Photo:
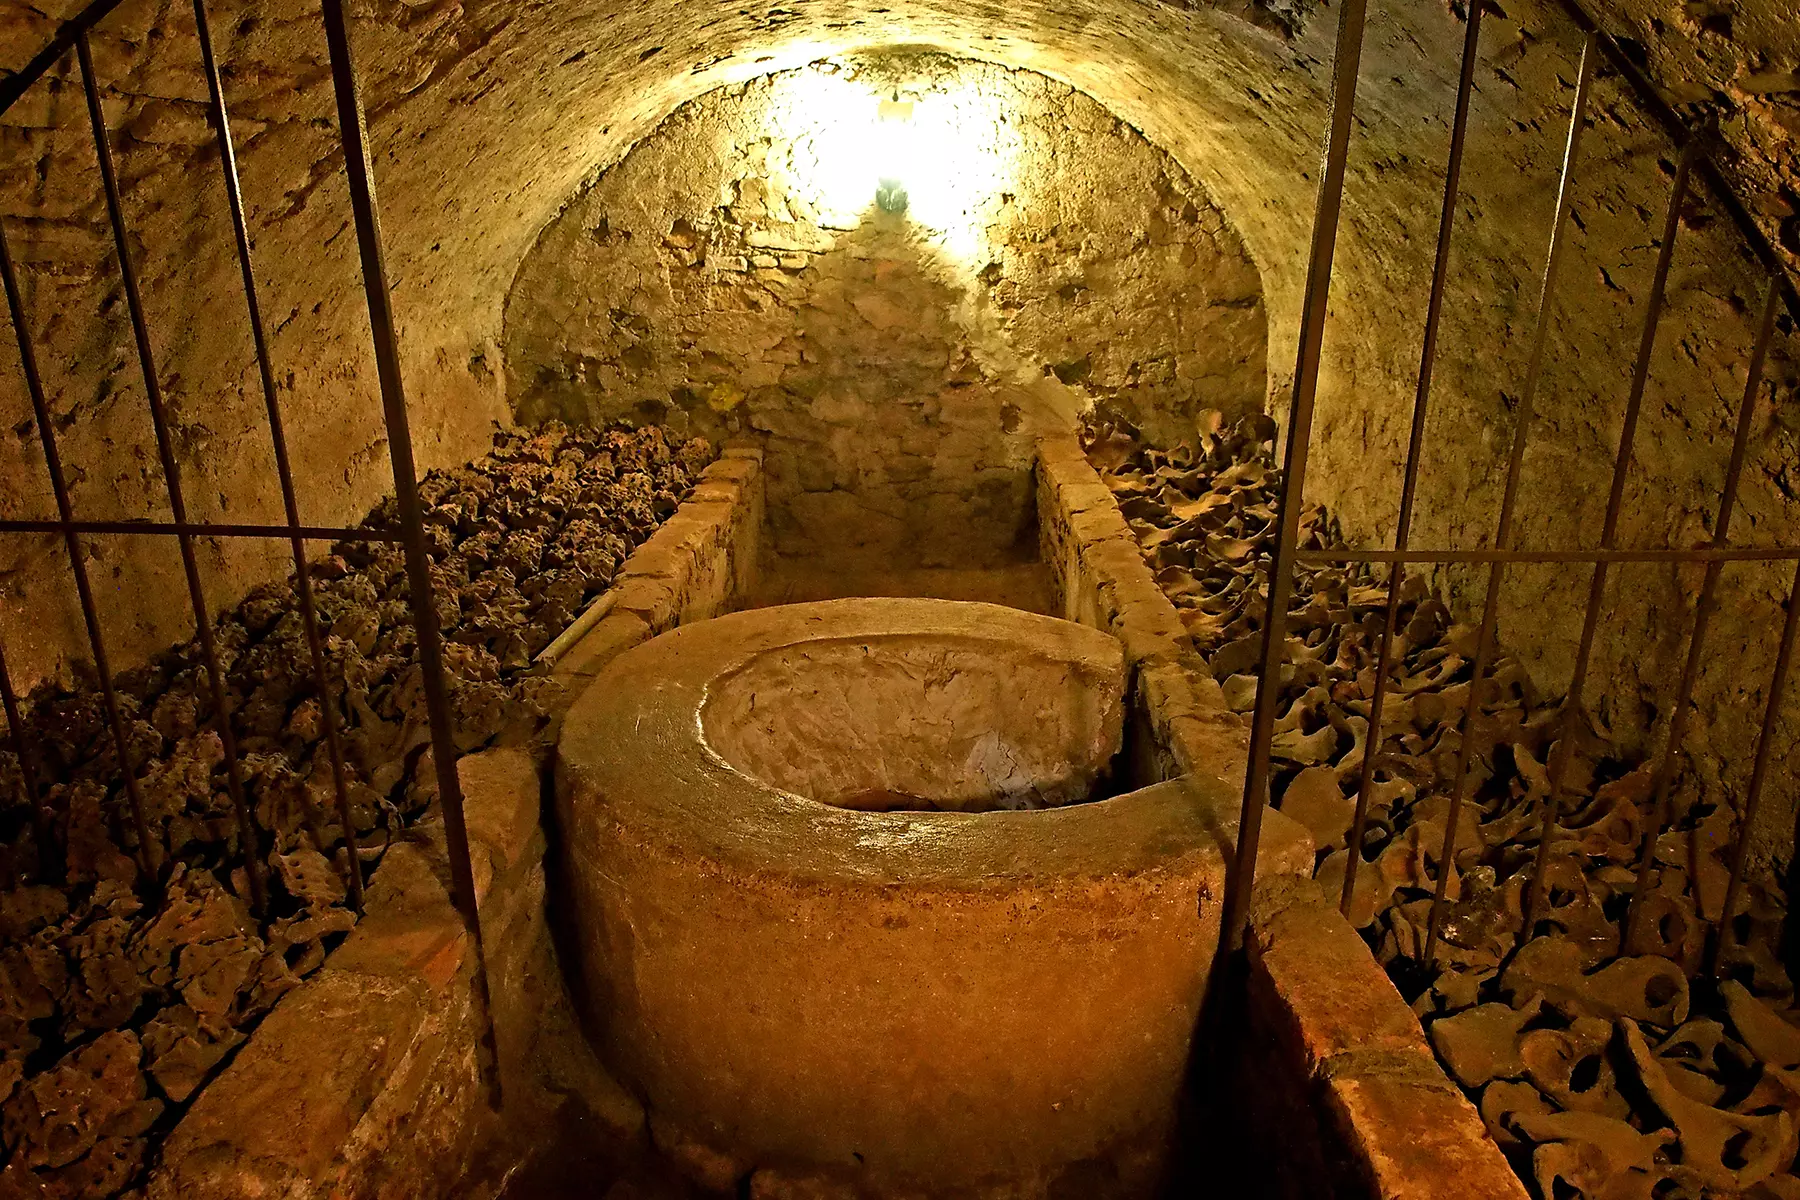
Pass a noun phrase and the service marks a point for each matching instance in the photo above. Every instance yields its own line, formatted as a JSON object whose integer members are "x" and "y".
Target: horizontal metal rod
{"x": 318, "y": 533}
{"x": 1700, "y": 554}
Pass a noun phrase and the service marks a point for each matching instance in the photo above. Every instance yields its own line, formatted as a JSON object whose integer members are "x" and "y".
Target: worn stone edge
{"x": 714, "y": 530}
{"x": 1401, "y": 1125}
{"x": 1094, "y": 556}
{"x": 410, "y": 948}
{"x": 1343, "y": 1027}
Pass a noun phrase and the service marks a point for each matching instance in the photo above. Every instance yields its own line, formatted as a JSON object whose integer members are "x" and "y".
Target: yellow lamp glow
{"x": 938, "y": 157}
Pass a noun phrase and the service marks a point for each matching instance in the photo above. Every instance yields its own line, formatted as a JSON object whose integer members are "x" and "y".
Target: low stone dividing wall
{"x": 1104, "y": 582}
{"x": 1345, "y": 1096}
{"x": 364, "y": 1083}
{"x": 690, "y": 569}
{"x": 1332, "y": 1087}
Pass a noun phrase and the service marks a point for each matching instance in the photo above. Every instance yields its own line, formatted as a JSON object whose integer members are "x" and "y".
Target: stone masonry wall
{"x": 894, "y": 363}
{"x": 487, "y": 119}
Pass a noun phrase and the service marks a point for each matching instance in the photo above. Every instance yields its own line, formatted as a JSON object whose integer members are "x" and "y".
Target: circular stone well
{"x": 810, "y": 951}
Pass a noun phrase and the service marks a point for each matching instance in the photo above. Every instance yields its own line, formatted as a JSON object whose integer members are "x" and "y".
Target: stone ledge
{"x": 1105, "y": 582}
{"x": 364, "y": 1081}
{"x": 1338, "y": 1046}
{"x": 329, "y": 1097}
{"x": 1391, "y": 1122}
{"x": 1415, "y": 1140}
{"x": 689, "y": 569}
{"x": 1328, "y": 996}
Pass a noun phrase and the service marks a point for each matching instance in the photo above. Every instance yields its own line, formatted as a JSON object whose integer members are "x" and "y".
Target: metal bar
{"x": 1699, "y": 554}
{"x": 1759, "y": 772}
{"x": 84, "y": 592}
{"x": 1329, "y": 206}
{"x": 1703, "y": 613}
{"x": 1590, "y": 621}
{"x": 165, "y": 446}
{"x": 314, "y": 533}
{"x": 1490, "y": 611}
{"x": 353, "y": 132}
{"x": 1651, "y": 97}
{"x": 1440, "y": 270}
{"x": 1333, "y": 554}
{"x": 18, "y": 83}
{"x": 283, "y": 468}
{"x": 43, "y": 819}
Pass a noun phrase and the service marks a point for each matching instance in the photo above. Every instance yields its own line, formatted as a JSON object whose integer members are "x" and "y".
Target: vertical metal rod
{"x": 140, "y": 329}
{"x": 309, "y": 618}
{"x": 359, "y": 170}
{"x": 148, "y": 858}
{"x": 43, "y": 820}
{"x": 1329, "y": 206}
{"x": 1759, "y": 772}
{"x": 1703, "y": 614}
{"x": 1573, "y": 705}
{"x": 1484, "y": 646}
{"x": 1440, "y": 270}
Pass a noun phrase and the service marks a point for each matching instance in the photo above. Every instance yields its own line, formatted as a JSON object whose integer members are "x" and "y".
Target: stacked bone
{"x": 1603, "y": 1075}
{"x": 118, "y": 1002}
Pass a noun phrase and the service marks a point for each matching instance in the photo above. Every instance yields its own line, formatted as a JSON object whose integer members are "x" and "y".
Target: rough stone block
{"x": 715, "y": 491}
{"x": 1089, "y": 495}
{"x": 1113, "y": 560}
{"x": 1217, "y": 744}
{"x": 1415, "y": 1136}
{"x": 1092, "y": 527}
{"x": 616, "y": 633}
{"x": 275, "y": 1123}
{"x": 502, "y": 802}
{"x": 656, "y": 601}
{"x": 664, "y": 557}
{"x": 1330, "y": 996}
{"x": 1062, "y": 453}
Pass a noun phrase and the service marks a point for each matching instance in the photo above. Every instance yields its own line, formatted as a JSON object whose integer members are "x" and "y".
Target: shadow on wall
{"x": 735, "y": 275}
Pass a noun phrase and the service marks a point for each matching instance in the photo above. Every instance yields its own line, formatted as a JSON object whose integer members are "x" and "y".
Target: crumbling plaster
{"x": 489, "y": 114}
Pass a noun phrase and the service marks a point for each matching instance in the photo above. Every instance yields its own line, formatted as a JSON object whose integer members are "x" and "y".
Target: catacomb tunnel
{"x": 834, "y": 600}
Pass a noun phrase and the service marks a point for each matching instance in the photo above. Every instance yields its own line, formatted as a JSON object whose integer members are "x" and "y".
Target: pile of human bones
{"x": 119, "y": 998}
{"x": 1604, "y": 1075}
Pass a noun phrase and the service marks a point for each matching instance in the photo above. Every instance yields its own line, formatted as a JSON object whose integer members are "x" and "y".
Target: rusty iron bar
{"x": 60, "y": 43}
{"x": 1574, "y": 703}
{"x": 1490, "y": 611}
{"x": 1759, "y": 772}
{"x": 165, "y": 446}
{"x": 311, "y": 533}
{"x": 1703, "y": 614}
{"x": 309, "y": 619}
{"x": 1346, "y": 61}
{"x": 1440, "y": 270}
{"x": 1699, "y": 554}
{"x": 353, "y": 133}
{"x": 1656, "y": 103}
{"x": 43, "y": 819}
{"x": 84, "y": 591}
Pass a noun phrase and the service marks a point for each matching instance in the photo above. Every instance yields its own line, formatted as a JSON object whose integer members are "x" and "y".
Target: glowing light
{"x": 939, "y": 156}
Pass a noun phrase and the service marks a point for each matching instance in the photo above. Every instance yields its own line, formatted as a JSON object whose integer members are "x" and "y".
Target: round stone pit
{"x": 843, "y": 920}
